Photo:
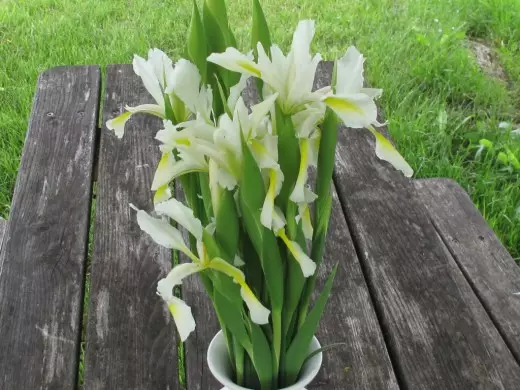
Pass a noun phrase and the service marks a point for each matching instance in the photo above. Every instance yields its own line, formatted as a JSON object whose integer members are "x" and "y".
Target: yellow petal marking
{"x": 162, "y": 194}
{"x": 250, "y": 68}
{"x": 344, "y": 105}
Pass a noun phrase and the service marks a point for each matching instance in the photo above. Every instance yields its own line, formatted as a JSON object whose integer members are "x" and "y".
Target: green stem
{"x": 239, "y": 361}
{"x": 277, "y": 340}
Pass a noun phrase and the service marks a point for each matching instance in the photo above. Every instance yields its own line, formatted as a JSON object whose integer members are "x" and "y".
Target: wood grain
{"x": 130, "y": 334}
{"x": 363, "y": 363}
{"x": 44, "y": 252}
{"x": 3, "y": 226}
{"x": 485, "y": 262}
{"x": 438, "y": 334}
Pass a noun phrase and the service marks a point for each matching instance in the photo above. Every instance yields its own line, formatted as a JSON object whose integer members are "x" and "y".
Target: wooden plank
{"x": 3, "y": 226}
{"x": 485, "y": 262}
{"x": 130, "y": 336}
{"x": 438, "y": 334}
{"x": 45, "y": 247}
{"x": 363, "y": 363}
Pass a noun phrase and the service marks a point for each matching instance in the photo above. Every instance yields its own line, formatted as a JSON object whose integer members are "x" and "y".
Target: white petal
{"x": 302, "y": 66}
{"x": 182, "y": 316}
{"x": 309, "y": 195}
{"x": 235, "y": 61}
{"x": 226, "y": 179}
{"x": 162, "y": 65}
{"x": 175, "y": 277}
{"x": 265, "y": 151}
{"x": 185, "y": 82}
{"x": 181, "y": 214}
{"x": 302, "y": 39}
{"x": 386, "y": 151}
{"x": 215, "y": 188}
{"x": 168, "y": 169}
{"x": 314, "y": 147}
{"x": 145, "y": 70}
{"x": 306, "y": 121}
{"x": 238, "y": 262}
{"x": 307, "y": 265}
{"x": 227, "y": 136}
{"x": 205, "y": 103}
{"x": 304, "y": 215}
{"x": 236, "y": 90}
{"x": 374, "y": 93}
{"x": 228, "y": 269}
{"x": 161, "y": 231}
{"x": 275, "y": 185}
{"x": 152, "y": 109}
{"x": 211, "y": 227}
{"x": 258, "y": 313}
{"x": 274, "y": 73}
{"x": 350, "y": 72}
{"x": 298, "y": 193}
{"x": 260, "y": 110}
{"x": 118, "y": 123}
{"x": 279, "y": 220}
{"x": 355, "y": 110}
{"x": 163, "y": 174}
{"x": 162, "y": 194}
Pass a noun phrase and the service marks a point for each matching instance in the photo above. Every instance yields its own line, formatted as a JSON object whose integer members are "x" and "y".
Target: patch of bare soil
{"x": 487, "y": 59}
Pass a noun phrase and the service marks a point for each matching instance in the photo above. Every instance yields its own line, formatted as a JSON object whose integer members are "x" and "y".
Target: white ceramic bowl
{"x": 220, "y": 366}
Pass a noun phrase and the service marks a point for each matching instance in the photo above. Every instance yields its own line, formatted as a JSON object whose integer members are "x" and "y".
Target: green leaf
{"x": 323, "y": 349}
{"x": 206, "y": 194}
{"x": 219, "y": 11}
{"x": 261, "y": 357}
{"x": 289, "y": 156}
{"x": 221, "y": 282}
{"x": 295, "y": 281}
{"x": 227, "y": 224}
{"x": 273, "y": 268}
{"x": 219, "y": 37}
{"x": 239, "y": 354}
{"x": 231, "y": 315}
{"x": 223, "y": 99}
{"x": 318, "y": 248}
{"x": 253, "y": 268}
{"x": 197, "y": 45}
{"x": 300, "y": 345}
{"x": 251, "y": 198}
{"x": 168, "y": 109}
{"x": 260, "y": 31}
{"x": 326, "y": 153}
{"x": 218, "y": 8}
{"x": 334, "y": 76}
{"x": 251, "y": 378}
{"x": 179, "y": 109}
{"x": 214, "y": 33}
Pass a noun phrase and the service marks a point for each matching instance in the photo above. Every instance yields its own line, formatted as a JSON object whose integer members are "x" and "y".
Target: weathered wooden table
{"x": 423, "y": 298}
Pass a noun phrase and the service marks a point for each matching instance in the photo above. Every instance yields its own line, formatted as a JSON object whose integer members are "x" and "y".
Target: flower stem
{"x": 239, "y": 361}
{"x": 277, "y": 340}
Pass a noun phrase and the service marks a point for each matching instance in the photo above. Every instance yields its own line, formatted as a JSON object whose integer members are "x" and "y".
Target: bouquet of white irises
{"x": 244, "y": 172}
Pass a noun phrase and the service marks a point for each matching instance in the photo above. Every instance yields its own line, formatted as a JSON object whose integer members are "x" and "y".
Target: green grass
{"x": 415, "y": 51}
